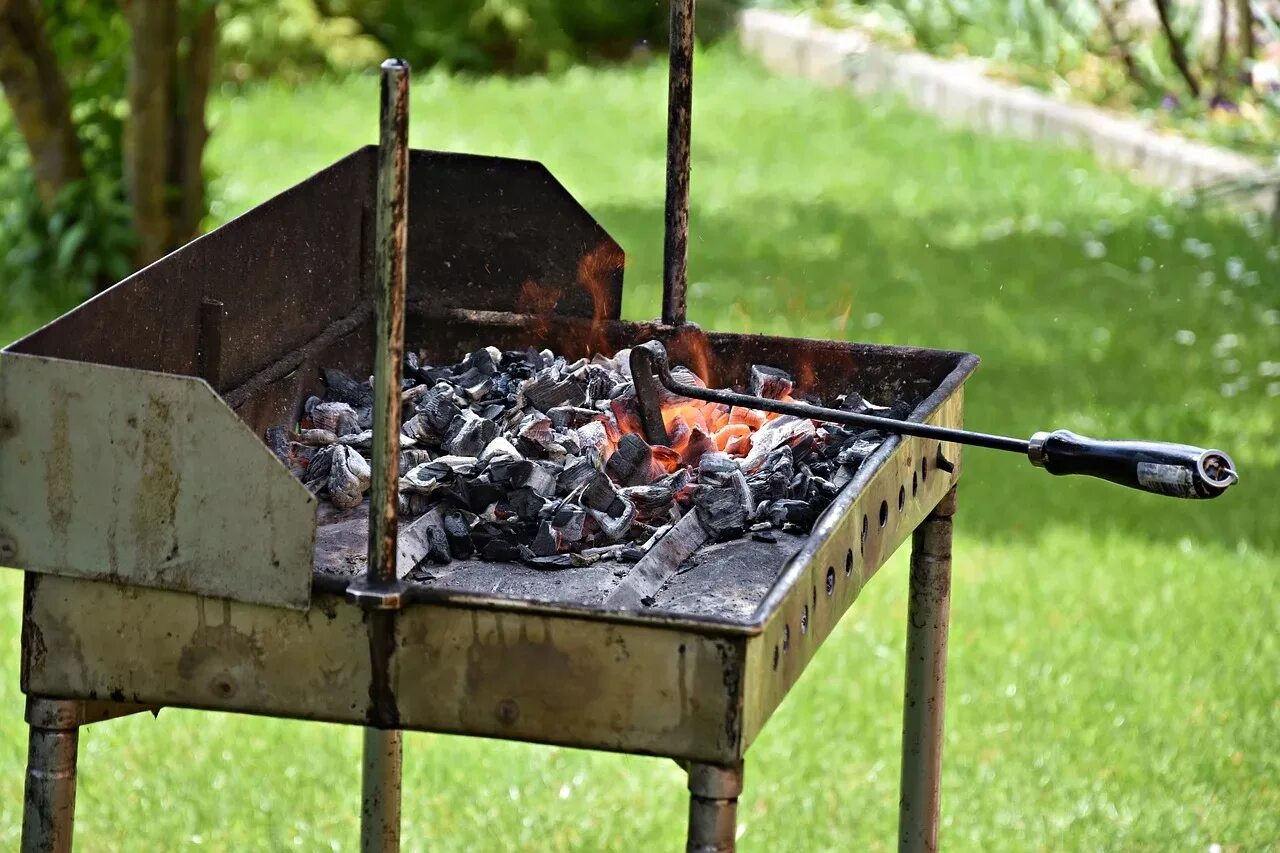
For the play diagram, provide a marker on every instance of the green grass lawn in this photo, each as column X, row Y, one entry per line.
column 1115, row 669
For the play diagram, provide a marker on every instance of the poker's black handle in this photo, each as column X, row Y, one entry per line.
column 1177, row 470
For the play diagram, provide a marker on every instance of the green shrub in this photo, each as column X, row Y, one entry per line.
column 522, row 36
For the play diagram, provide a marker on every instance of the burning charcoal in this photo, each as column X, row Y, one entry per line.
column 469, row 434
column 666, row 458
column 296, row 457
column 317, row 437
column 685, row 376
column 458, row 534
column 318, row 469
column 856, row 450
column 600, row 382
column 341, row 388
column 437, row 407
column 348, row 477
column 786, row 511
column 770, row 382
column 783, row 430
column 632, row 463
column 594, row 435
column 544, row 392
column 534, row 433
column 499, row 448
column 699, row 444
column 750, row 418
column 338, row 418
column 626, row 415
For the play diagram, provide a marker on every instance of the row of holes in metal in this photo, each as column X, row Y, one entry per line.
column 916, row 480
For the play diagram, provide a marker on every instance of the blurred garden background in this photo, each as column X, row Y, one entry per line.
column 1115, row 665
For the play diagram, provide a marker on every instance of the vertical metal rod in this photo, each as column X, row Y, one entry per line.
column 49, row 803
column 391, row 230
column 928, row 618
column 380, row 791
column 713, row 808
column 380, row 806
column 675, row 250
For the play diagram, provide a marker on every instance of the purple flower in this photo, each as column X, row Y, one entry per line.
column 1169, row 102
column 1221, row 102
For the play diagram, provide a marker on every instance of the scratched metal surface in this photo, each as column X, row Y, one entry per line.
column 145, row 478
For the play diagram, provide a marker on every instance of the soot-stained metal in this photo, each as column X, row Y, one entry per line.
column 675, row 251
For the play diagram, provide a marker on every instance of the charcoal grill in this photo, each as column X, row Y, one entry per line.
column 171, row 560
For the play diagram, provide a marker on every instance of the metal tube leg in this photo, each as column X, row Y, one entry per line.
column 49, row 805
column 928, row 615
column 380, row 797
column 713, row 808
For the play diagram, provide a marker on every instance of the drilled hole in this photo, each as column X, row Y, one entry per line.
column 915, row 484
column 831, row 580
column 884, row 513
column 775, row 655
column 924, row 469
column 815, row 598
column 866, row 528
column 786, row 637
column 848, row 562
column 902, row 497
column 804, row 619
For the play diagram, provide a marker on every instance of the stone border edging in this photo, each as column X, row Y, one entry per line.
column 961, row 94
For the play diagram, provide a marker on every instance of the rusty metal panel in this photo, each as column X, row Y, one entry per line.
column 847, row 547
column 98, row 640
column 145, row 478
column 572, row 681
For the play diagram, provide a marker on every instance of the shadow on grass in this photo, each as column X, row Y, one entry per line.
column 1067, row 341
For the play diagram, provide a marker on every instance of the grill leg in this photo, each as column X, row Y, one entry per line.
column 928, row 615
column 380, row 800
column 49, row 805
column 713, row 808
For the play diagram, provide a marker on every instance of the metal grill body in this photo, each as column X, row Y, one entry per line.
column 171, row 560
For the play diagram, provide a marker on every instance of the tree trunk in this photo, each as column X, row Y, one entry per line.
column 148, row 138
column 38, row 98
column 1177, row 51
column 191, row 132
column 1244, row 15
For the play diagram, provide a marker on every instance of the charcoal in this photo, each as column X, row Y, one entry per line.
column 723, row 498
column 575, row 474
column 317, row 476
column 436, row 536
column 769, row 382
column 785, row 511
column 856, row 450
column 547, row 542
column 764, row 536
column 475, row 384
column 599, row 494
column 278, row 440
column 500, row 551
column 545, row 392
column 649, row 499
column 342, row 388
column 310, row 405
column 458, row 534
column 533, row 475
column 594, row 435
column 349, row 476
column 418, row 429
column 782, row 430
column 499, row 448
column 699, row 444
column 412, row 458
column 632, row 462
column 317, row 437
column 412, row 504
column 533, row 434
column 557, row 561
column 614, row 524
column 438, row 407
column 630, row 555
column 570, row 522
column 422, row 480
column 469, row 434
column 525, row 503
column 492, row 411
column 362, row 440
column 626, row 415
column 338, row 418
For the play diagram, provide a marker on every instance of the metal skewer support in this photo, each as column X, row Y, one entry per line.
column 675, row 251
column 380, row 592
column 1177, row 470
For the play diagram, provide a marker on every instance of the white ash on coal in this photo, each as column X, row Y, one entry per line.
column 530, row 457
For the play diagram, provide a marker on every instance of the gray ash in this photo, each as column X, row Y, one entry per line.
column 528, row 456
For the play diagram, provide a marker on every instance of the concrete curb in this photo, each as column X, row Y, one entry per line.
column 962, row 95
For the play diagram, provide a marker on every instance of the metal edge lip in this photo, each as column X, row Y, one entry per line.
column 825, row 527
